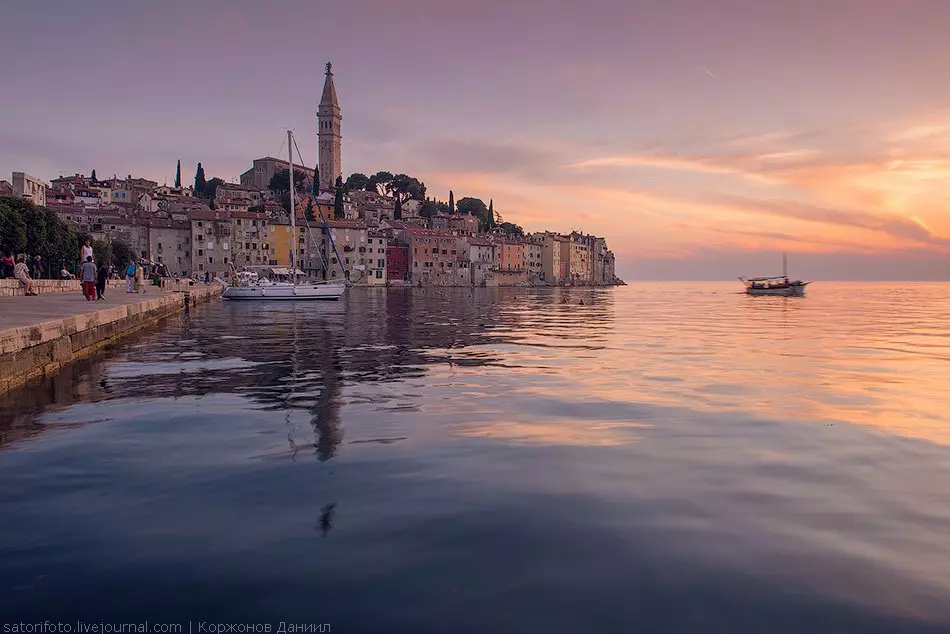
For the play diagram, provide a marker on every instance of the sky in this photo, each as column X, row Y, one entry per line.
column 702, row 138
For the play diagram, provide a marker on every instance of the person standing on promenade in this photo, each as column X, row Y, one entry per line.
column 140, row 278
column 37, row 267
column 130, row 276
column 22, row 273
column 6, row 265
column 85, row 251
column 88, row 279
column 101, row 281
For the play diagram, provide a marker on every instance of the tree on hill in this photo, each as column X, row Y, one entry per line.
column 451, row 202
column 491, row 213
column 477, row 208
column 512, row 228
column 356, row 182
column 380, row 182
column 211, row 187
column 178, row 175
column 338, row 213
column 397, row 210
column 200, row 180
column 93, row 175
column 280, row 185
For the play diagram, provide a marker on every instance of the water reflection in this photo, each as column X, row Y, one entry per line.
column 660, row 457
column 299, row 357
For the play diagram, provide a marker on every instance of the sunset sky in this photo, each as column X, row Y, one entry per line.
column 701, row 137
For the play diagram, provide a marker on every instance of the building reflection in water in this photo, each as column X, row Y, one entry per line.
column 302, row 356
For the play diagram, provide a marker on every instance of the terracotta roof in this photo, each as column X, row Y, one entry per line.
column 345, row 224
column 254, row 215
column 169, row 224
column 210, row 214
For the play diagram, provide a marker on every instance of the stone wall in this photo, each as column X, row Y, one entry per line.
column 37, row 350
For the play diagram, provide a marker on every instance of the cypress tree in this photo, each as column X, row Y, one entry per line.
column 178, row 175
column 200, row 180
column 451, row 202
column 397, row 209
column 338, row 199
column 491, row 213
column 315, row 189
column 93, row 175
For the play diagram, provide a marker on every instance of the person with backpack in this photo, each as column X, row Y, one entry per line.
column 130, row 276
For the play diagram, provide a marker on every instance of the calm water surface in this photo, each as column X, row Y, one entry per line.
column 658, row 458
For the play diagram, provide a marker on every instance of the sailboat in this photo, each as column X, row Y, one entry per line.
column 253, row 288
column 778, row 285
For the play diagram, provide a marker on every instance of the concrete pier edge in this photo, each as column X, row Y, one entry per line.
column 36, row 350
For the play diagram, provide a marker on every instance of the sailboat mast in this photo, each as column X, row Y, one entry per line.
column 293, row 211
column 784, row 265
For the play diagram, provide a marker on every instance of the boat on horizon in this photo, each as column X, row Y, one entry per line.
column 776, row 286
column 248, row 285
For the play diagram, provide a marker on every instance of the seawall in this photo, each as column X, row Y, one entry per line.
column 37, row 349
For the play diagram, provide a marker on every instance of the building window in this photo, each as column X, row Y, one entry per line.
column 210, row 260
column 200, row 225
column 201, row 252
column 379, row 274
column 225, row 260
column 201, row 267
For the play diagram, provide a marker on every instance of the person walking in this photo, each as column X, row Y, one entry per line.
column 22, row 272
column 88, row 279
column 101, row 278
column 130, row 276
column 37, row 267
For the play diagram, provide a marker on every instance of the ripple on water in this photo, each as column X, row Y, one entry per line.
column 659, row 458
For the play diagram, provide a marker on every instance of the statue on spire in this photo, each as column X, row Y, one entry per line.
column 329, row 66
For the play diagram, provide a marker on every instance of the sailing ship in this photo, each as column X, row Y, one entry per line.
column 253, row 287
column 778, row 285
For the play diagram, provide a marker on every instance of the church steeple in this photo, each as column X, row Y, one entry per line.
column 328, row 132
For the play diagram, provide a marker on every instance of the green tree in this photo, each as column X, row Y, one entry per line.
column 280, row 185
column 122, row 254
column 308, row 212
column 477, row 208
column 101, row 251
column 46, row 235
column 338, row 213
column 12, row 230
column 200, row 180
column 397, row 210
column 512, row 228
column 211, row 187
column 357, row 182
column 93, row 175
column 178, row 175
column 315, row 186
column 380, row 183
column 491, row 213
column 451, row 202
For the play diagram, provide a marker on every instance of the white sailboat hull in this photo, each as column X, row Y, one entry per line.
column 273, row 292
column 782, row 291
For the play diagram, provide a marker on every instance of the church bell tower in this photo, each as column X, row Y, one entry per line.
column 328, row 133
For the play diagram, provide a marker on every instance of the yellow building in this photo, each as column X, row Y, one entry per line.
column 281, row 242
